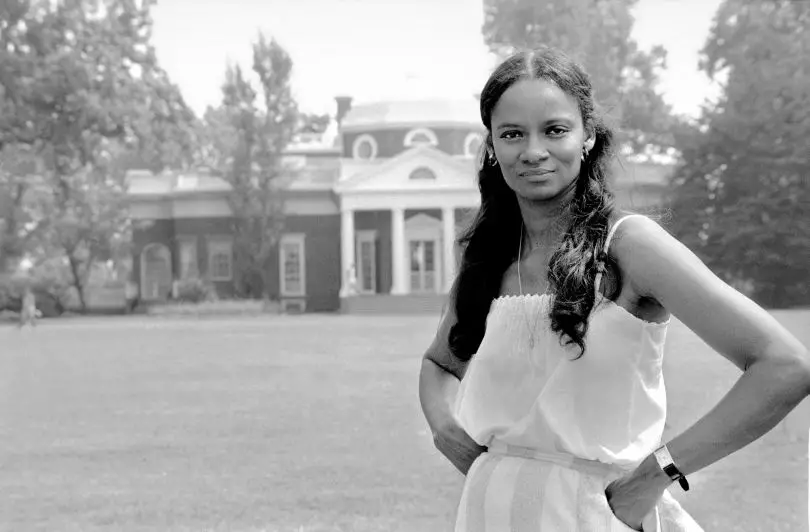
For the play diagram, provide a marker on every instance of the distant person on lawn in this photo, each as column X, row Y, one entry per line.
column 28, row 308
column 555, row 329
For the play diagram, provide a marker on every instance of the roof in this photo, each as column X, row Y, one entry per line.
column 145, row 183
column 314, row 179
column 413, row 113
column 324, row 176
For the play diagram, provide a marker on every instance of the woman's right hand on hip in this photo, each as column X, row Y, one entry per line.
column 456, row 445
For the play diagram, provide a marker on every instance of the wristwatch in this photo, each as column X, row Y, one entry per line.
column 667, row 464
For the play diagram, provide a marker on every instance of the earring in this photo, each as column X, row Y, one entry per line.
column 584, row 153
column 486, row 158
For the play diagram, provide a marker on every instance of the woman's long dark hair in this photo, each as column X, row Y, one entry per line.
column 491, row 242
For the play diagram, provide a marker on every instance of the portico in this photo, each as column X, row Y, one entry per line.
column 399, row 223
column 423, row 256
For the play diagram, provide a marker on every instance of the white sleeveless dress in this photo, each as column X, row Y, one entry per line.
column 559, row 430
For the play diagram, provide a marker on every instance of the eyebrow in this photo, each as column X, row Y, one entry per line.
column 562, row 118
column 508, row 125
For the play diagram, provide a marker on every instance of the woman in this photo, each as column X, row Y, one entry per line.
column 556, row 325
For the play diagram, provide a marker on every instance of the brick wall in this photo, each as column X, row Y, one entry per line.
column 390, row 141
column 321, row 257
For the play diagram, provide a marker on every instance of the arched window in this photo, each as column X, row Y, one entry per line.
column 364, row 148
column 420, row 137
column 422, row 173
column 472, row 144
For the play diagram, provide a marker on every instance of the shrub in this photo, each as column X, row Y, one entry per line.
column 48, row 284
column 195, row 290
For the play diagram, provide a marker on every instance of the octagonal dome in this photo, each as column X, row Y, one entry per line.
column 415, row 113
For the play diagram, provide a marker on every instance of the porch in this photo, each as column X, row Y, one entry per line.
column 381, row 304
column 399, row 221
column 399, row 259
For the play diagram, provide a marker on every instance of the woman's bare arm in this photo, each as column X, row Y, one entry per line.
column 776, row 367
column 438, row 384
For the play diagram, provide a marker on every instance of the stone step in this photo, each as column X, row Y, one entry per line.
column 391, row 304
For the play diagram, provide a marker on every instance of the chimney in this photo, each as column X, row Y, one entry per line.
column 344, row 103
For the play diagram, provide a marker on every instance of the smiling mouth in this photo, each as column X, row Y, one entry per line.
column 536, row 173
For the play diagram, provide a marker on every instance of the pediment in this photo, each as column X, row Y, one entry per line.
column 422, row 168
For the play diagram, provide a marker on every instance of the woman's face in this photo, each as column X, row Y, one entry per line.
column 538, row 137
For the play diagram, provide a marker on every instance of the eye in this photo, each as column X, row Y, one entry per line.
column 556, row 131
column 511, row 134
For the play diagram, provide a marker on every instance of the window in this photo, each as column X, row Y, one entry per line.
column 420, row 136
column 220, row 258
column 423, row 172
column 472, row 144
column 292, row 265
column 423, row 265
column 187, row 251
column 365, row 148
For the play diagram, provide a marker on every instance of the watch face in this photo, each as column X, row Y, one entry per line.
column 663, row 457
column 667, row 464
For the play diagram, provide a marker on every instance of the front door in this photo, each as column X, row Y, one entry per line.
column 156, row 272
column 423, row 266
column 367, row 262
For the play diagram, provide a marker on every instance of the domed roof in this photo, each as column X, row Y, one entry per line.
column 425, row 113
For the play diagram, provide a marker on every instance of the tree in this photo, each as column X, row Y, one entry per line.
column 596, row 33
column 81, row 93
column 20, row 198
column 740, row 196
column 244, row 142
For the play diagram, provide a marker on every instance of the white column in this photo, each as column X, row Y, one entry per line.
column 398, row 259
column 346, row 251
column 449, row 245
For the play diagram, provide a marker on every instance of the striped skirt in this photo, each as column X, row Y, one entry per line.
column 512, row 489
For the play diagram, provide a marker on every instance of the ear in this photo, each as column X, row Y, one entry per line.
column 490, row 147
column 590, row 140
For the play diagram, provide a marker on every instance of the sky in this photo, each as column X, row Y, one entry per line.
column 377, row 50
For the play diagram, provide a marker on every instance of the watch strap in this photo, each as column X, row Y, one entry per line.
column 667, row 465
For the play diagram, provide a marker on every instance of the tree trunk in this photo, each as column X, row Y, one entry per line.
column 78, row 283
column 9, row 243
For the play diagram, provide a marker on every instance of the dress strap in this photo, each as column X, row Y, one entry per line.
column 602, row 258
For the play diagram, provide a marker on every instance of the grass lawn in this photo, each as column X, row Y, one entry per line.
column 298, row 424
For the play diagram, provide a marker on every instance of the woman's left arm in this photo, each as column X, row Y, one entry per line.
column 775, row 365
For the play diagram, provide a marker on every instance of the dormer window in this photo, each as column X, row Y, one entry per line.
column 472, row 144
column 420, row 137
column 364, row 148
column 422, row 173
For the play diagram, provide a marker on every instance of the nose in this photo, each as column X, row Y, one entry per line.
column 535, row 151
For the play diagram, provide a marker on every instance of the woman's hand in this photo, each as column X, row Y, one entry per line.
column 636, row 494
column 455, row 444
column 625, row 504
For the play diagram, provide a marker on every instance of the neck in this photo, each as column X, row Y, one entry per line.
column 544, row 222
